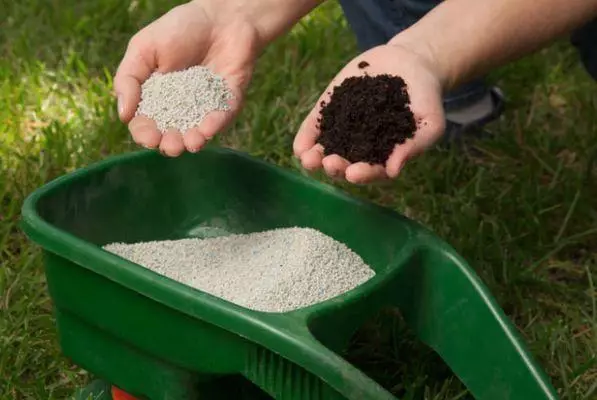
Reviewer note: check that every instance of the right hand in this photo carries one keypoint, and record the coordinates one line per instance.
(196, 33)
(398, 58)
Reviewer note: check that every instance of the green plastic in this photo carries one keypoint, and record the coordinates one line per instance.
(159, 339)
(96, 390)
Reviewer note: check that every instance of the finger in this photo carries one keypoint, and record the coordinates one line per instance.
(307, 134)
(312, 159)
(398, 158)
(172, 144)
(145, 132)
(427, 133)
(335, 166)
(194, 140)
(128, 97)
(133, 70)
(216, 121)
(361, 173)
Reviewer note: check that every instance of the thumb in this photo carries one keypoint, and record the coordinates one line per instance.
(428, 132)
(133, 70)
(128, 94)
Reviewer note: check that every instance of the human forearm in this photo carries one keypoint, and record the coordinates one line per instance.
(271, 17)
(466, 38)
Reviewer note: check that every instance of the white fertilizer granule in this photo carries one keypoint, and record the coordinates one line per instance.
(181, 99)
(273, 271)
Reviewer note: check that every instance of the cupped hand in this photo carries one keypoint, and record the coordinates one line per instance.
(424, 89)
(196, 33)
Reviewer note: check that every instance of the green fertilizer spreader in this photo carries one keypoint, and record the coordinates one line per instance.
(158, 339)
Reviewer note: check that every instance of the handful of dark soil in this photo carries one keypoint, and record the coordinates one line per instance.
(366, 117)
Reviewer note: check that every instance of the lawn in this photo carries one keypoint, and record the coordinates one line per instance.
(520, 207)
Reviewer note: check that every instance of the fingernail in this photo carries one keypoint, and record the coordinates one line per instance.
(194, 149)
(120, 106)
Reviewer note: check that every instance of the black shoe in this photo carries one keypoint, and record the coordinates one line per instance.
(457, 130)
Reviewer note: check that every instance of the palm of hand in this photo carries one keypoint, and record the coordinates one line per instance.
(187, 35)
(425, 94)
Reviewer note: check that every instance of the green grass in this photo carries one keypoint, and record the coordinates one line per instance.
(521, 207)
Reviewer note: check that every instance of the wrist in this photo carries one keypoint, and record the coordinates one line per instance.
(428, 55)
(270, 18)
(273, 18)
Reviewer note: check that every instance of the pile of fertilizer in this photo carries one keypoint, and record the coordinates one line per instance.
(273, 271)
(181, 99)
(366, 117)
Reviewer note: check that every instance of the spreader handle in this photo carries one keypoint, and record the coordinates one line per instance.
(323, 375)
(451, 311)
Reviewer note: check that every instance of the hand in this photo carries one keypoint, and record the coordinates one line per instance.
(424, 88)
(196, 33)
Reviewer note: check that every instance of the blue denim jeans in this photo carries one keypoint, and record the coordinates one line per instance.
(374, 22)
(585, 41)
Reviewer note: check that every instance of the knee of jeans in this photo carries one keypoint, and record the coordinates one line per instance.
(375, 22)
(415, 9)
(584, 40)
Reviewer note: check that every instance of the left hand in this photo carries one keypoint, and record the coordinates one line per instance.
(424, 88)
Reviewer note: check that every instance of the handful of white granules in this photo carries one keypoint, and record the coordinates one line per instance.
(181, 99)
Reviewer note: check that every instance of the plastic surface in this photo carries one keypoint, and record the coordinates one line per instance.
(158, 339)
(118, 394)
(96, 390)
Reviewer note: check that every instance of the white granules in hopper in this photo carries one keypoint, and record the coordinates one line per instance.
(181, 99)
(273, 271)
